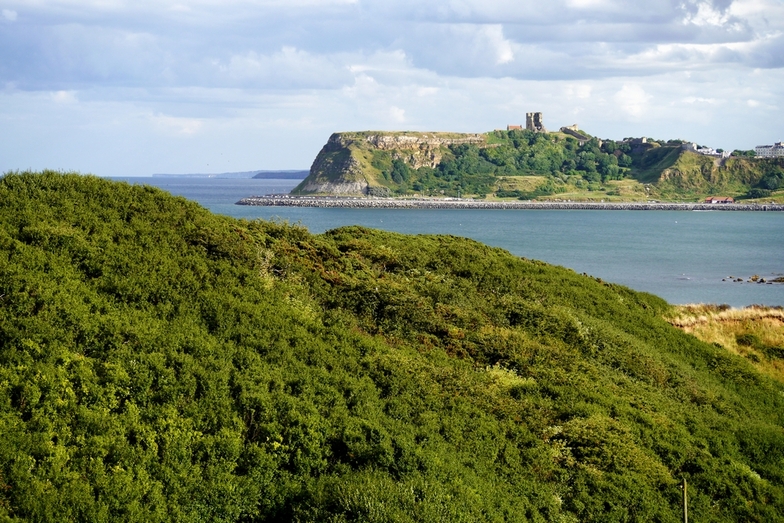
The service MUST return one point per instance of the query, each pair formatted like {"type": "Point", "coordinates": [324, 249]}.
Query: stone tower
{"type": "Point", "coordinates": [534, 122]}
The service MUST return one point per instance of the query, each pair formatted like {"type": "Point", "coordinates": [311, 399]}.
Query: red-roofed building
{"type": "Point", "coordinates": [719, 199]}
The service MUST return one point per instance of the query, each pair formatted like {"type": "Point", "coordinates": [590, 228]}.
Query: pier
{"type": "Point", "coordinates": [347, 202]}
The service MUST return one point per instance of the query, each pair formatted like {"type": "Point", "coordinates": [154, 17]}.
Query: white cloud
{"type": "Point", "coordinates": [397, 114]}
{"type": "Point", "coordinates": [64, 97]}
{"type": "Point", "coordinates": [587, 4]}
{"type": "Point", "coordinates": [633, 100]}
{"type": "Point", "coordinates": [289, 67]}
{"type": "Point", "coordinates": [493, 36]}
{"type": "Point", "coordinates": [9, 15]}
{"type": "Point", "coordinates": [177, 125]}
{"type": "Point", "coordinates": [707, 15]}
{"type": "Point", "coordinates": [701, 100]}
{"type": "Point", "coordinates": [578, 91]}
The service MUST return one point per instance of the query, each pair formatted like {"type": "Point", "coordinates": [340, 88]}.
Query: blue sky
{"type": "Point", "coordinates": [135, 87]}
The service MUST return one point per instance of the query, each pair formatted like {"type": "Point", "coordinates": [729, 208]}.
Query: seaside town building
{"type": "Point", "coordinates": [770, 151]}
{"type": "Point", "coordinates": [705, 151]}
{"type": "Point", "coordinates": [719, 199]}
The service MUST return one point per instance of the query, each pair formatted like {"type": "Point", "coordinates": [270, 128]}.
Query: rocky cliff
{"type": "Point", "coordinates": [353, 163]}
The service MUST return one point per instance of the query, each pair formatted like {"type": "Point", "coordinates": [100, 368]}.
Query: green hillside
{"type": "Point", "coordinates": [494, 165]}
{"type": "Point", "coordinates": [160, 363]}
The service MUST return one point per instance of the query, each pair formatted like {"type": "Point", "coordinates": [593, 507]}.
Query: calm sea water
{"type": "Point", "coordinates": [681, 256]}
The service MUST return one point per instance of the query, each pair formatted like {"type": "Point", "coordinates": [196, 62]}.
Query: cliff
{"type": "Point", "coordinates": [354, 163]}
{"type": "Point", "coordinates": [685, 174]}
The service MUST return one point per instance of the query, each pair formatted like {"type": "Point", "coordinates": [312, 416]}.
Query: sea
{"type": "Point", "coordinates": [681, 256]}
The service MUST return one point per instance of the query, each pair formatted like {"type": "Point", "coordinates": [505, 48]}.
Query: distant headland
{"type": "Point", "coordinates": [268, 175]}
{"type": "Point", "coordinates": [532, 163]}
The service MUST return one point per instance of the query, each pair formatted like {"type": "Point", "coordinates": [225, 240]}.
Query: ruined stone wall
{"type": "Point", "coordinates": [535, 122]}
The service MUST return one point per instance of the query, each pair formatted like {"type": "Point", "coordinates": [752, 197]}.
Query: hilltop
{"type": "Point", "coordinates": [161, 363]}
{"type": "Point", "coordinates": [525, 164]}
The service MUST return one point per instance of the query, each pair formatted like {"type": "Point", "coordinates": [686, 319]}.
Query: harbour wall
{"type": "Point", "coordinates": [455, 203]}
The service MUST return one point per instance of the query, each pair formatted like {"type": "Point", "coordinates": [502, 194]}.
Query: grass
{"type": "Point", "coordinates": [755, 332]}
{"type": "Point", "coordinates": [655, 161]}
{"type": "Point", "coordinates": [520, 183]}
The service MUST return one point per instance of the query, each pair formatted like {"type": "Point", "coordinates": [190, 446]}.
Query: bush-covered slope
{"type": "Point", "coordinates": [691, 175]}
{"type": "Point", "coordinates": [159, 363]}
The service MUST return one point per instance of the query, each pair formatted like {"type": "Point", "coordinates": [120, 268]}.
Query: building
{"type": "Point", "coordinates": [535, 122]}
{"type": "Point", "coordinates": [769, 151]}
{"type": "Point", "coordinates": [719, 199]}
{"type": "Point", "coordinates": [514, 127]}
{"type": "Point", "coordinates": [705, 151]}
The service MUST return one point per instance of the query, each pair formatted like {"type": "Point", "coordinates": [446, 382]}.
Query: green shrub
{"type": "Point", "coordinates": [161, 363]}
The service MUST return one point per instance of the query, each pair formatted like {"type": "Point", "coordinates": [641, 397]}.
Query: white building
{"type": "Point", "coordinates": [769, 151]}
{"type": "Point", "coordinates": [705, 151]}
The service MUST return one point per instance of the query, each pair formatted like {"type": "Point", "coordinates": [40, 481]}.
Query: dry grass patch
{"type": "Point", "coordinates": [755, 332]}
{"type": "Point", "coordinates": [520, 183]}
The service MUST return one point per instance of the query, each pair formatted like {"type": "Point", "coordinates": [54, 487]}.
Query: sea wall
{"type": "Point", "coordinates": [455, 203]}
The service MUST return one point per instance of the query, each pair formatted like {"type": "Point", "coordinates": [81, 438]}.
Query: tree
{"type": "Point", "coordinates": [400, 171]}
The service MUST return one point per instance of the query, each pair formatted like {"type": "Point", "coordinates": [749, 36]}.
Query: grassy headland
{"type": "Point", "coordinates": [161, 363]}
{"type": "Point", "coordinates": [528, 165]}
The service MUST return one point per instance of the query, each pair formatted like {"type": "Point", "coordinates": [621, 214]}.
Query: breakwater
{"type": "Point", "coordinates": [456, 203]}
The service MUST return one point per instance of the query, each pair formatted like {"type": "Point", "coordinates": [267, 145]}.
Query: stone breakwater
{"type": "Point", "coordinates": [455, 203]}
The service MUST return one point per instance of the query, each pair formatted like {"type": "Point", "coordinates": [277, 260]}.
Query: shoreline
{"type": "Point", "coordinates": [347, 202]}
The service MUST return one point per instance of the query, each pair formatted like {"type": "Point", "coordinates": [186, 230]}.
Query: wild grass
{"type": "Point", "coordinates": [755, 332]}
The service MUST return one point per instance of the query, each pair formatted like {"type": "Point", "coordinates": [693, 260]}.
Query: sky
{"type": "Point", "coordinates": [136, 87]}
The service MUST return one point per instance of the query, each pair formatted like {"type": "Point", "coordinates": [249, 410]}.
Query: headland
{"type": "Point", "coordinates": [532, 163]}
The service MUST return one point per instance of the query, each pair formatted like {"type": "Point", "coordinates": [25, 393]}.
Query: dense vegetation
{"type": "Point", "coordinates": [160, 363]}
{"type": "Point", "coordinates": [472, 169]}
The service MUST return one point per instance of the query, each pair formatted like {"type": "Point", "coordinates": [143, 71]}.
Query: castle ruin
{"type": "Point", "coordinates": [534, 122]}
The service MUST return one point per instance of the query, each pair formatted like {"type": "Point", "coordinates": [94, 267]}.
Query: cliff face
{"type": "Point", "coordinates": [694, 174]}
{"type": "Point", "coordinates": [352, 163]}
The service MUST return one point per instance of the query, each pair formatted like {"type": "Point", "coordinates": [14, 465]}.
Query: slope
{"type": "Point", "coordinates": [160, 363]}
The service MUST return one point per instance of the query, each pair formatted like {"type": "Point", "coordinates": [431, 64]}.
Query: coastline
{"type": "Point", "coordinates": [455, 203]}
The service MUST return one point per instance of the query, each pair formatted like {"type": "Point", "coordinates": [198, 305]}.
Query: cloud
{"type": "Point", "coordinates": [701, 100]}
{"type": "Point", "coordinates": [207, 71]}
{"type": "Point", "coordinates": [707, 14]}
{"type": "Point", "coordinates": [578, 91]}
{"type": "Point", "coordinates": [633, 100]}
{"type": "Point", "coordinates": [287, 68]}
{"type": "Point", "coordinates": [64, 97]}
{"type": "Point", "coordinates": [397, 114]}
{"type": "Point", "coordinates": [177, 125]}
